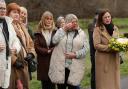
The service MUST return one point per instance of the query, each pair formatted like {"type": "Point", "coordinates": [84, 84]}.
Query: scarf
{"type": "Point", "coordinates": [109, 28]}
{"type": "Point", "coordinates": [6, 35]}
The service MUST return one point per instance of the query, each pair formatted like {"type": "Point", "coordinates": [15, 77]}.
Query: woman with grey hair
{"type": "Point", "coordinates": [67, 63]}
{"type": "Point", "coordinates": [60, 22]}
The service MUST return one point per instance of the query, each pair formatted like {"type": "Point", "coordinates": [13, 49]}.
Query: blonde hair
{"type": "Point", "coordinates": [23, 9]}
{"type": "Point", "coordinates": [41, 25]}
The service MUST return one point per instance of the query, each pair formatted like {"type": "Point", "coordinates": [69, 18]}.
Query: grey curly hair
{"type": "Point", "coordinates": [70, 17]}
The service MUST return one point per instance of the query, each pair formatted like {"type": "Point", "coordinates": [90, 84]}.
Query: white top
{"type": "Point", "coordinates": [47, 36]}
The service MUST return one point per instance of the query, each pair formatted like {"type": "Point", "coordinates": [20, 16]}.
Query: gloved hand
{"type": "Point", "coordinates": [18, 64]}
{"type": "Point", "coordinates": [29, 57]}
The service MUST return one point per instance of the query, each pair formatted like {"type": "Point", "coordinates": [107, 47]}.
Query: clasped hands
{"type": "Point", "coordinates": [70, 55]}
{"type": "Point", "coordinates": [50, 50]}
{"type": "Point", "coordinates": [3, 46]}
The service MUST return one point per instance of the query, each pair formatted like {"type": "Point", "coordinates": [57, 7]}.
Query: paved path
{"type": "Point", "coordinates": [124, 83]}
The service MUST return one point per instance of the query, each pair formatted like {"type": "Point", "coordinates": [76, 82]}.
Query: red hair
{"type": "Point", "coordinates": [13, 6]}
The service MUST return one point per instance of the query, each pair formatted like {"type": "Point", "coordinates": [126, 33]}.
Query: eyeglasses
{"type": "Point", "coordinates": [2, 8]}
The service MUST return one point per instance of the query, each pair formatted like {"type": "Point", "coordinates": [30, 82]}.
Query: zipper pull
{"type": "Point", "coordinates": [7, 66]}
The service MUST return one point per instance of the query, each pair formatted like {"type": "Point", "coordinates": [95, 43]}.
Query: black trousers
{"type": "Point", "coordinates": [47, 85]}
{"type": "Point", "coordinates": [93, 82]}
{"type": "Point", "coordinates": [63, 86]}
{"type": "Point", "coordinates": [1, 88]}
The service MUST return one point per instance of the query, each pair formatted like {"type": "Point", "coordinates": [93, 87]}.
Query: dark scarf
{"type": "Point", "coordinates": [6, 35]}
{"type": "Point", "coordinates": [109, 28]}
{"type": "Point", "coordinates": [5, 27]}
{"type": "Point", "coordinates": [76, 32]}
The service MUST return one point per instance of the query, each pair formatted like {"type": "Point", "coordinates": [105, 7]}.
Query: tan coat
{"type": "Point", "coordinates": [107, 61]}
{"type": "Point", "coordinates": [22, 73]}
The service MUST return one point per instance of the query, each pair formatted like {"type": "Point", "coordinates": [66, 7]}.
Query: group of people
{"type": "Point", "coordinates": [61, 52]}
{"type": "Point", "coordinates": [60, 49]}
{"type": "Point", "coordinates": [16, 48]}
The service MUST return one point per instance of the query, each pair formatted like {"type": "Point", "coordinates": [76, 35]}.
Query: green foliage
{"type": "Point", "coordinates": [34, 84]}
{"type": "Point", "coordinates": [121, 22]}
{"type": "Point", "coordinates": [86, 80]}
{"type": "Point", "coordinates": [33, 26]}
{"type": "Point", "coordinates": [124, 66]}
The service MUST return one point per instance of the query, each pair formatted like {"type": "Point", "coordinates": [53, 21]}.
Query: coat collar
{"type": "Point", "coordinates": [8, 19]}
{"type": "Point", "coordinates": [105, 33]}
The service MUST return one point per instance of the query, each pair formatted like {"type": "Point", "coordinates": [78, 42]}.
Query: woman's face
{"type": "Point", "coordinates": [2, 9]}
{"type": "Point", "coordinates": [74, 24]}
{"type": "Point", "coordinates": [62, 22]}
{"type": "Point", "coordinates": [107, 18]}
{"type": "Point", "coordinates": [23, 15]}
{"type": "Point", "coordinates": [14, 14]}
{"type": "Point", "coordinates": [48, 21]}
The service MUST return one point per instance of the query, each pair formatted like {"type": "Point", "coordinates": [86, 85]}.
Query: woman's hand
{"type": "Point", "coordinates": [13, 50]}
{"type": "Point", "coordinates": [50, 50]}
{"type": "Point", "coordinates": [68, 26]}
{"type": "Point", "coordinates": [70, 55]}
{"type": "Point", "coordinates": [2, 46]}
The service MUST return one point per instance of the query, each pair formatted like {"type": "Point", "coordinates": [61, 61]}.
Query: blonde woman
{"type": "Point", "coordinates": [44, 48]}
{"type": "Point", "coordinates": [24, 20]}
{"type": "Point", "coordinates": [24, 15]}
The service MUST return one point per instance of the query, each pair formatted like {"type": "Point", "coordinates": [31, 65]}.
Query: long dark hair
{"type": "Point", "coordinates": [100, 16]}
{"type": "Point", "coordinates": [109, 27]}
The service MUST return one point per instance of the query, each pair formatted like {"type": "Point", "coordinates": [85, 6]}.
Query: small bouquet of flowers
{"type": "Point", "coordinates": [119, 44]}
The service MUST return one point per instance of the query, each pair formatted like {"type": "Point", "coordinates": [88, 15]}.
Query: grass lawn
{"type": "Point", "coordinates": [122, 24]}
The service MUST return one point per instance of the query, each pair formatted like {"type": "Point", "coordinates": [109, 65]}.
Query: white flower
{"type": "Point", "coordinates": [122, 40]}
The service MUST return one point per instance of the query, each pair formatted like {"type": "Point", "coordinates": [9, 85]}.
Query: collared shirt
{"type": "Point", "coordinates": [47, 36]}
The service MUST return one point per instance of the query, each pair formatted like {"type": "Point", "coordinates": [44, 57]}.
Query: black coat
{"type": "Point", "coordinates": [90, 32]}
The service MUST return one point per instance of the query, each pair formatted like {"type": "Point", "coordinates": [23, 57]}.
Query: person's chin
{"type": "Point", "coordinates": [108, 22]}
{"type": "Point", "coordinates": [2, 16]}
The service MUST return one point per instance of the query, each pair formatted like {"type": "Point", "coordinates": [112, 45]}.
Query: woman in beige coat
{"type": "Point", "coordinates": [107, 60]}
{"type": "Point", "coordinates": [67, 62]}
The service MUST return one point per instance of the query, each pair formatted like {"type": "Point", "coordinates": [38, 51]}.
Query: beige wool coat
{"type": "Point", "coordinates": [107, 61]}
{"type": "Point", "coordinates": [57, 63]}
